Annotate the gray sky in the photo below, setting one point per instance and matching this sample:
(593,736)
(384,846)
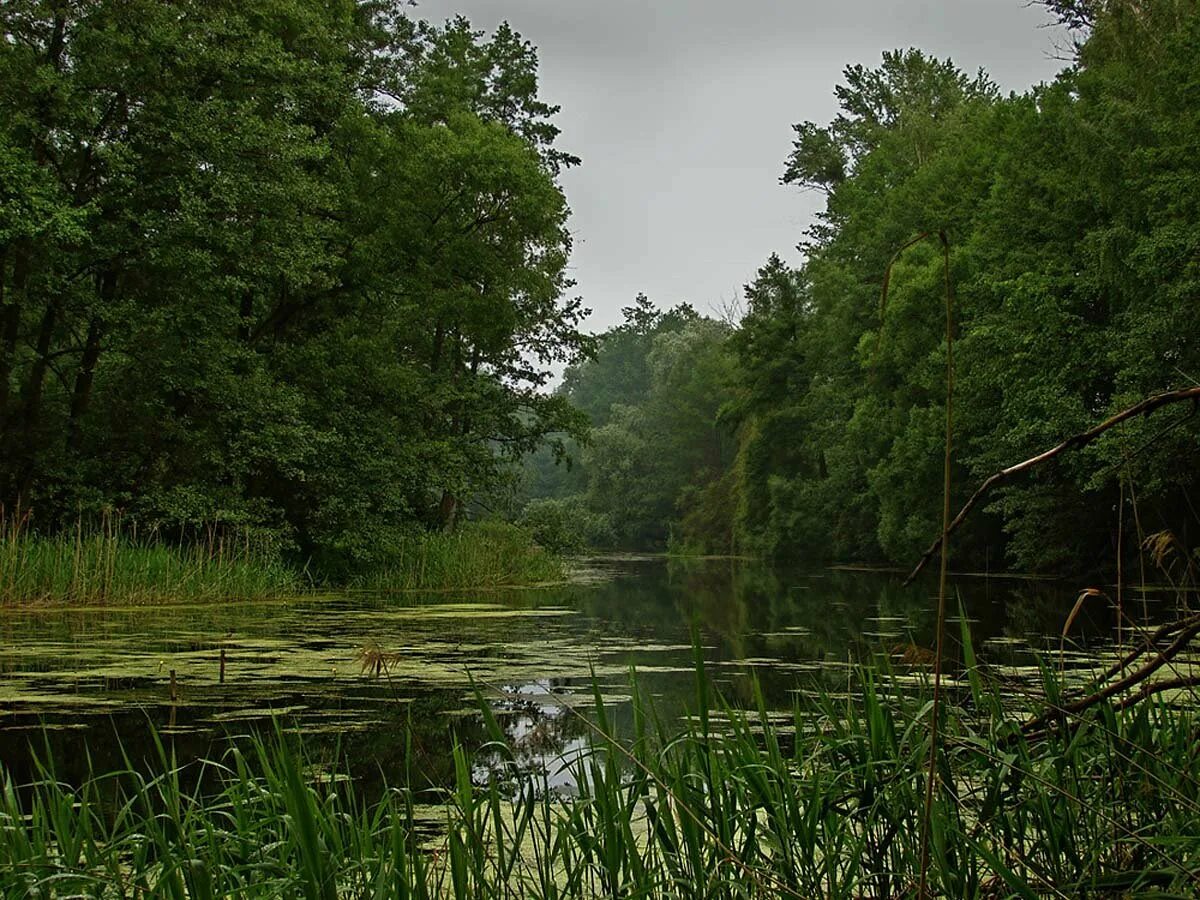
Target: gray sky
(682,111)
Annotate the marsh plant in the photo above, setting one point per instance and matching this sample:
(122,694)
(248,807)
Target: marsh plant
(477,555)
(106,563)
(824,802)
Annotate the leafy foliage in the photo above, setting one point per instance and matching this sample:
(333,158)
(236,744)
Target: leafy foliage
(1073,231)
(654,393)
(813,429)
(566,525)
(297,266)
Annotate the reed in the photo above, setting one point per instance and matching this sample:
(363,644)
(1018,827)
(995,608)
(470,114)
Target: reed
(476,555)
(932,768)
(825,802)
(111,565)
(106,565)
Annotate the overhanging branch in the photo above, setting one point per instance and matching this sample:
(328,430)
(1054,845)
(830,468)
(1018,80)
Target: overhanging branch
(1072,443)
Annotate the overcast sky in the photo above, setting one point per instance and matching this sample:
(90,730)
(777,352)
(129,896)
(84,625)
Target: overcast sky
(682,111)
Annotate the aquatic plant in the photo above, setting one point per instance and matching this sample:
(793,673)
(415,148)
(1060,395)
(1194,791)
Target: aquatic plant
(111,564)
(476,555)
(108,565)
(824,802)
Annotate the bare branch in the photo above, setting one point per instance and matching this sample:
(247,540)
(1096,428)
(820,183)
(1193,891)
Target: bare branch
(1072,443)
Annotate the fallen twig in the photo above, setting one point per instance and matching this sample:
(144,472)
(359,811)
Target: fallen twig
(1161,633)
(1190,628)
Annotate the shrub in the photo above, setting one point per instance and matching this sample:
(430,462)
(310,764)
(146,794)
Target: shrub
(566,525)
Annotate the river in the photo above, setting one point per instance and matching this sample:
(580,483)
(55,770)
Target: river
(373,677)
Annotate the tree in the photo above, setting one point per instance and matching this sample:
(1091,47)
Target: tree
(1072,233)
(654,391)
(298,267)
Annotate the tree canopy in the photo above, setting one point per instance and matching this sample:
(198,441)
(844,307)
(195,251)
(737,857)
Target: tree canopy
(1071,216)
(292,266)
(302,268)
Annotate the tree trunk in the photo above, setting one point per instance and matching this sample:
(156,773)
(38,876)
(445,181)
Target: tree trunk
(5,344)
(10,322)
(82,394)
(246,316)
(54,49)
(37,374)
(32,400)
(439,339)
(447,511)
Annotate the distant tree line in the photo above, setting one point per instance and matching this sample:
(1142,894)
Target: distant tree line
(813,428)
(289,265)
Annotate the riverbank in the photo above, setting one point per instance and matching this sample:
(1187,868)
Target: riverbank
(826,802)
(106,566)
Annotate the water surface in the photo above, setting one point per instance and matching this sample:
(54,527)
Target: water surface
(94,682)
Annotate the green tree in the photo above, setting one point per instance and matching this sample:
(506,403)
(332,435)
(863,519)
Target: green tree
(654,392)
(296,266)
(1072,225)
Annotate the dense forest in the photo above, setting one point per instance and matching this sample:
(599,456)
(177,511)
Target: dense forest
(811,428)
(284,297)
(284,268)
(301,270)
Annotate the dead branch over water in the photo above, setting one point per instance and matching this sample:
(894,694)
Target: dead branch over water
(1072,443)
(1180,633)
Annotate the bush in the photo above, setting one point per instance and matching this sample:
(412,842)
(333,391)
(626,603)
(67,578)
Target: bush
(566,525)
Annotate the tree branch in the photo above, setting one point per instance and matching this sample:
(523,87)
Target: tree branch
(1072,443)
(1180,643)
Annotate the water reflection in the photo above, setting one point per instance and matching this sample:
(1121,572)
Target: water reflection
(98,674)
(545,735)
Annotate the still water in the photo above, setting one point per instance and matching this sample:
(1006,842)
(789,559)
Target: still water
(368,675)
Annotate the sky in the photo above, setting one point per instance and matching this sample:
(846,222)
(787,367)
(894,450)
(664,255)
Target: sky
(681,111)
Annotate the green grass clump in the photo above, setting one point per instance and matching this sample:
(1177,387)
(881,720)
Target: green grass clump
(826,802)
(106,566)
(477,555)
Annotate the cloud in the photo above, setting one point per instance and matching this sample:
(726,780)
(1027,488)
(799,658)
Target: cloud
(682,113)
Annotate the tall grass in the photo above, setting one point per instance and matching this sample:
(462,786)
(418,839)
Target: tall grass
(477,555)
(104,565)
(110,565)
(827,802)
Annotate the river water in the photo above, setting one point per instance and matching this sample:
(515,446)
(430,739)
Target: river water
(375,678)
